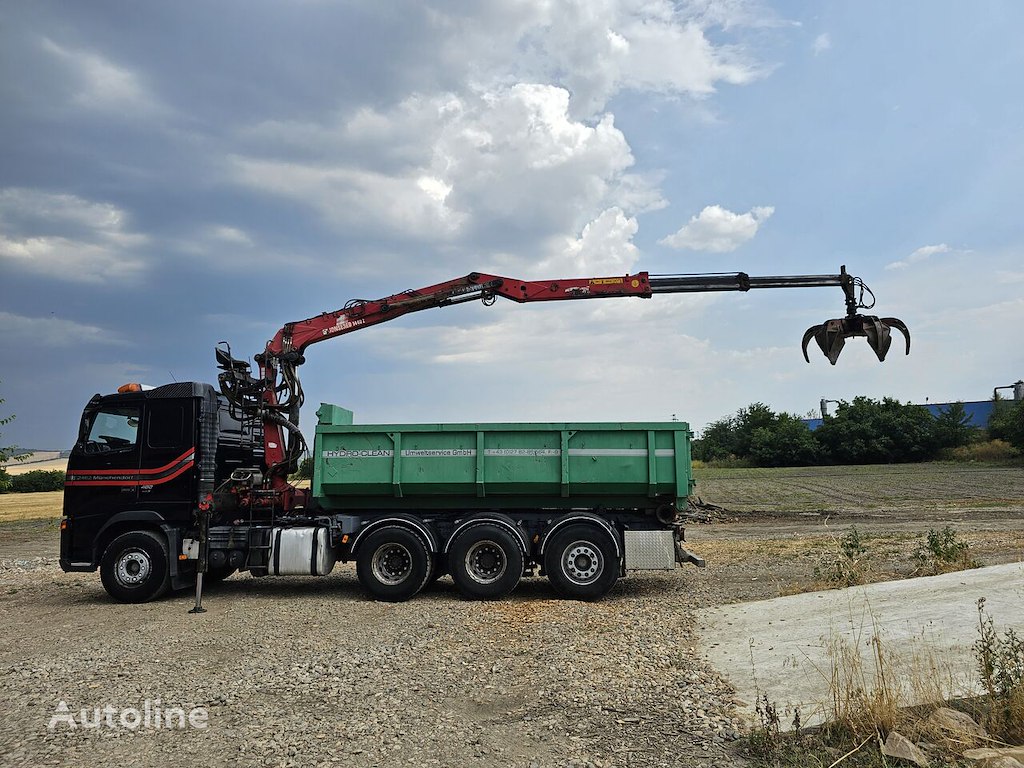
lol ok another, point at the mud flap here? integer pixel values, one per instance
(182, 572)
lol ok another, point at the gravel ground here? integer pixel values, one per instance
(309, 672)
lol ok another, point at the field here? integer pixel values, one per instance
(934, 488)
(42, 460)
(16, 507)
(780, 525)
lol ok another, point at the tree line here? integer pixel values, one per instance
(862, 431)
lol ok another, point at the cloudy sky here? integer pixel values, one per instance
(176, 174)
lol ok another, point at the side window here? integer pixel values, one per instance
(166, 425)
(114, 428)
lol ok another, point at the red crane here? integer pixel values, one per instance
(274, 399)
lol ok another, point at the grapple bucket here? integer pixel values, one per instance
(832, 334)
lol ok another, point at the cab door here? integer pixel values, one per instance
(167, 474)
(103, 474)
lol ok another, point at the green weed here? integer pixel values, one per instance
(943, 552)
(1000, 660)
(846, 564)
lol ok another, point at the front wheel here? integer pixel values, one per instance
(393, 564)
(580, 562)
(134, 567)
(486, 562)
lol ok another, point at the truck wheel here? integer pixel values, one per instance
(580, 562)
(134, 567)
(486, 562)
(393, 564)
(436, 572)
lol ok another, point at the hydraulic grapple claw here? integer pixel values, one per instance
(900, 326)
(879, 337)
(832, 334)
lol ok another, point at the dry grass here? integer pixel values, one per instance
(45, 466)
(889, 549)
(30, 506)
(734, 551)
(875, 687)
(889, 555)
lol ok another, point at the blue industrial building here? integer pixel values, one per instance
(978, 411)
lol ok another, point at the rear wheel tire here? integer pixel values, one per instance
(393, 564)
(486, 562)
(580, 562)
(436, 572)
(134, 567)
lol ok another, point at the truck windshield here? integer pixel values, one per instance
(113, 428)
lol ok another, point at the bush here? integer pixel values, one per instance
(786, 443)
(953, 427)
(38, 480)
(1007, 423)
(1001, 666)
(717, 441)
(943, 552)
(869, 431)
(846, 565)
(757, 435)
(989, 450)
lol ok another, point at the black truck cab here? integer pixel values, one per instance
(143, 461)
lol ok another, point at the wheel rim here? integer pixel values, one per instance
(133, 568)
(486, 562)
(582, 562)
(392, 564)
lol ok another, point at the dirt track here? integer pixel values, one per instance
(309, 672)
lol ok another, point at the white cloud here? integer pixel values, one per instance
(353, 198)
(516, 158)
(459, 169)
(718, 230)
(102, 85)
(605, 247)
(598, 48)
(55, 331)
(232, 235)
(66, 237)
(921, 254)
(822, 43)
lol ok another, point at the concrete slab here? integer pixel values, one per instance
(925, 628)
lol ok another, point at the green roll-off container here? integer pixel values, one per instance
(499, 466)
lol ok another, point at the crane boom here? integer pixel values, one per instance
(275, 398)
